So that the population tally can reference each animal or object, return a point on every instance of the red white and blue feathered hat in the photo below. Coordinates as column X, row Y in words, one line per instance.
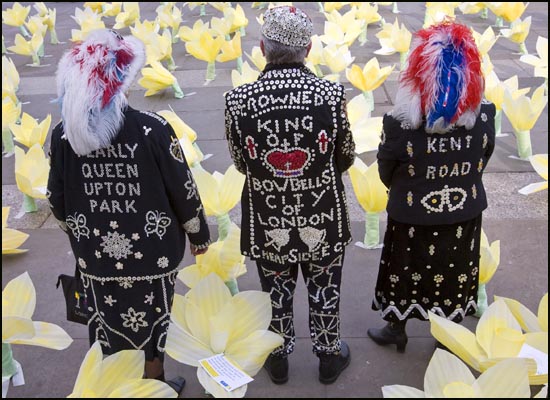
column 442, row 82
column 92, row 79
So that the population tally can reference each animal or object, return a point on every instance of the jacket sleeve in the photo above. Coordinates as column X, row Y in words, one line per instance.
column 56, row 187
column 181, row 188
column 233, row 138
column 490, row 131
column 387, row 157
column 345, row 146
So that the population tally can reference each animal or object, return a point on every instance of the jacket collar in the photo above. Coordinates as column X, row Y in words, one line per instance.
column 278, row 67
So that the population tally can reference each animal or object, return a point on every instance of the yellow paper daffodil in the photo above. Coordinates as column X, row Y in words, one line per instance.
column 540, row 164
column 220, row 5
column 437, row 12
column 16, row 16
column 31, row 171
column 541, row 62
column 30, row 132
column 10, row 76
column 231, row 49
column 507, row 11
column 486, row 65
column 529, row 322
column 129, row 16
column 489, row 259
column 88, row 21
column 169, row 16
column 112, row 9
column 157, row 78
column 222, row 258
column 119, row 375
column 206, row 48
column 473, row 8
column 11, row 238
column 48, row 19
column 315, row 57
column 485, row 41
column 220, row 27
column 209, row 321
column 368, row 13
column 36, row 26
column 335, row 35
column 365, row 129
column 18, row 304
column 494, row 92
column 370, row 77
column 201, row 4
column 30, row 48
column 180, row 127
column 448, row 377
column 394, row 39
column 395, row 9
column 237, row 17
column 337, row 58
column 518, row 32
column 247, row 75
column 523, row 112
column 144, row 30
column 159, row 49
column 372, row 196
column 10, row 114
column 498, row 337
column 219, row 193
column 187, row 34
column 257, row 58
column 95, row 6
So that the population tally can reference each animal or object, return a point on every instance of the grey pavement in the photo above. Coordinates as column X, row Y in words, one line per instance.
column 519, row 222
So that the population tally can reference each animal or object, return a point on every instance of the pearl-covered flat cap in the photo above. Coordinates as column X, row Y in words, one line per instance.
column 287, row 25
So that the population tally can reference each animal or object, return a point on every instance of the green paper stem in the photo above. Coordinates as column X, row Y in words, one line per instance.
column 372, row 230
column 523, row 139
column 174, row 35
column 53, row 37
column 227, row 37
column 7, row 141
column 498, row 123
column 363, row 36
column 178, row 93
column 499, row 23
column 523, row 49
column 24, row 31
column 29, row 204
column 403, row 59
column 40, row 51
column 35, row 60
column 321, row 8
column 203, row 10
column 8, row 364
column 482, row 303
column 242, row 30
column 211, row 71
column 223, row 226
column 395, row 10
column 369, row 96
column 484, row 13
column 233, row 286
column 171, row 65
column 240, row 64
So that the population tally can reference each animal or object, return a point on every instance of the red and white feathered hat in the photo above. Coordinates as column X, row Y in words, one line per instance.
column 92, row 79
column 442, row 83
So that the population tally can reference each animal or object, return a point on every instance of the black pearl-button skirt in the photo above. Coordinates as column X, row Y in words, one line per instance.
column 425, row 268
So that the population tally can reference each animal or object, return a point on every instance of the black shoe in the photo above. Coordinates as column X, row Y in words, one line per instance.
column 392, row 333
column 177, row 383
column 332, row 365
column 277, row 368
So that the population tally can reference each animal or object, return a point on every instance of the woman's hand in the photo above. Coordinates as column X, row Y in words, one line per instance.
column 195, row 251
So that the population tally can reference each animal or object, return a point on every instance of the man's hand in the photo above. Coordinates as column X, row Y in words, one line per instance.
column 195, row 251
